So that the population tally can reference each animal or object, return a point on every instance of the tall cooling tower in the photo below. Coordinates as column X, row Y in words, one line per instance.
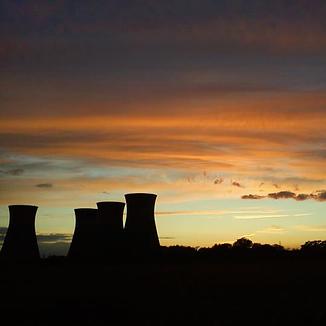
column 84, row 241
column 20, row 242
column 111, row 228
column 140, row 229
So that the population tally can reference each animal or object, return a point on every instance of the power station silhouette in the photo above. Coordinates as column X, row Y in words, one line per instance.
column 20, row 242
column 140, row 229
column 85, row 234
column 99, row 233
column 110, row 229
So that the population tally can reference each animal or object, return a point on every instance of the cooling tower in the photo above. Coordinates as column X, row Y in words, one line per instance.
column 111, row 228
column 140, row 229
column 84, row 241
column 20, row 242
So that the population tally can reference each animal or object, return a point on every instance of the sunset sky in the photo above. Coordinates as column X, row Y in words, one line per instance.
column 217, row 106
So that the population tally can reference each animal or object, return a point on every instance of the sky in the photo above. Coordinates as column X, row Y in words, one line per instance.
column 217, row 106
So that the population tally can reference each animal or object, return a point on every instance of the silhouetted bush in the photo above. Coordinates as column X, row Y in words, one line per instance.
column 243, row 243
column 178, row 253
column 243, row 250
column 314, row 248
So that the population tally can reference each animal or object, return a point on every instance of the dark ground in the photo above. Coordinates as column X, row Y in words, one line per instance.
column 266, row 292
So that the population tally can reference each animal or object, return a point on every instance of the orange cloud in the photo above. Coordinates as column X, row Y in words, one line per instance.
column 275, row 140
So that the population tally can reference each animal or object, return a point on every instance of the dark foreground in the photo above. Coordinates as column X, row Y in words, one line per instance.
column 56, row 292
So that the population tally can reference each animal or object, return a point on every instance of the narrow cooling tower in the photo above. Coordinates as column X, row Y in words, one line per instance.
column 20, row 242
column 111, row 228
column 84, row 241
column 140, row 229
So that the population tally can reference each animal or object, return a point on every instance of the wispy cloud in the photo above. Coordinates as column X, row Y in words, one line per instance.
column 248, row 235
column 282, row 195
column 44, row 185
column 311, row 228
column 3, row 231
column 218, row 181
column 273, row 229
column 268, row 215
column 237, row 184
column 264, row 216
column 244, row 213
column 193, row 212
column 14, row 172
column 43, row 237
column 54, row 237
column 317, row 195
column 252, row 197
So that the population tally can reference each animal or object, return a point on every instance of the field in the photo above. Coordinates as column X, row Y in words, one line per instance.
column 265, row 292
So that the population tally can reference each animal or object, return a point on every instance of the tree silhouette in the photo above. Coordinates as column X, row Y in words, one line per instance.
column 243, row 243
column 315, row 246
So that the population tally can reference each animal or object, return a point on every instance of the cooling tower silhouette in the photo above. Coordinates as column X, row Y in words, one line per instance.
column 84, row 241
column 140, row 229
column 110, row 224
column 20, row 242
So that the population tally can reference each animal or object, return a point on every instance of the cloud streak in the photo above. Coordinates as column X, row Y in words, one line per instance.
column 318, row 196
column 53, row 237
column 46, row 238
column 311, row 228
column 218, row 181
column 250, row 196
column 13, row 172
column 236, row 184
column 44, row 185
